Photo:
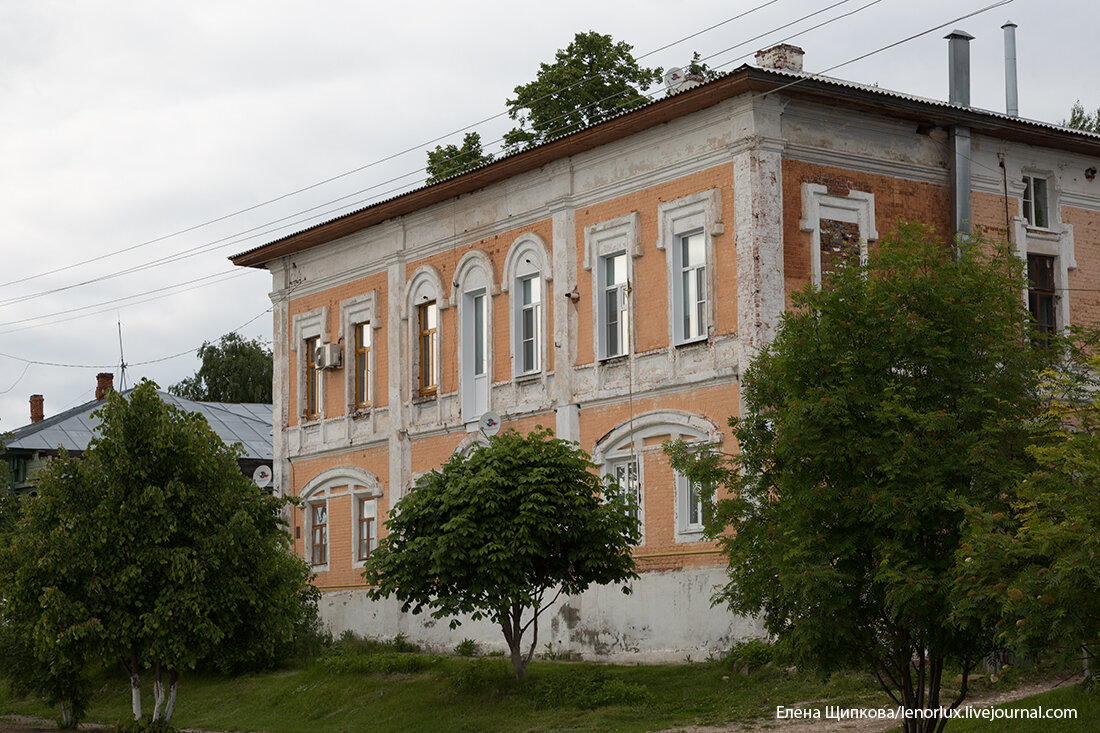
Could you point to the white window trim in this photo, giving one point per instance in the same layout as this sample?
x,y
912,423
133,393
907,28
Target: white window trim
x,y
858,207
1059,245
601,240
311,324
527,256
629,437
618,458
372,496
425,285
1054,218
349,481
361,309
473,276
698,212
685,530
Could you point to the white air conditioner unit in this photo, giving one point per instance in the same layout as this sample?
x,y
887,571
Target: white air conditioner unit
x,y
329,356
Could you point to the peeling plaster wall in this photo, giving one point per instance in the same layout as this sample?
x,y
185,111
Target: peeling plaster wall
x,y
666,617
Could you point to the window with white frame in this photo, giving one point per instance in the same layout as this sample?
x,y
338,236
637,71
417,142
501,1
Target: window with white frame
x,y
529,323
526,272
626,473
692,267
1036,201
366,527
613,306
425,301
610,248
313,377
686,226
473,278
692,510
362,365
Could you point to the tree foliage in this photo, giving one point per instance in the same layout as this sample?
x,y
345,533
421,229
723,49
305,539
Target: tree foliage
x,y
591,80
1081,119
153,550
450,160
1035,566
233,370
888,400
501,532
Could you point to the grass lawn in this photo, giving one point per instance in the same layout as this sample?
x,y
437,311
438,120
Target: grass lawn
x,y
368,686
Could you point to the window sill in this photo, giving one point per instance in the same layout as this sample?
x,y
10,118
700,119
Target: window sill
x,y
700,341
1044,232
424,399
528,378
361,413
612,359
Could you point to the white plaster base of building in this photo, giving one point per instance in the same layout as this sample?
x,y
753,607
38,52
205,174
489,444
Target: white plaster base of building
x,y
666,618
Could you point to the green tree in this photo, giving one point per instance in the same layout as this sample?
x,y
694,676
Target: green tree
x,y
175,557
450,160
50,635
501,532
233,370
1035,566
592,79
888,398
1082,120
698,67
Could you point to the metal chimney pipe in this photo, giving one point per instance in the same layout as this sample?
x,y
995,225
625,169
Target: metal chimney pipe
x,y
958,67
958,57
1012,101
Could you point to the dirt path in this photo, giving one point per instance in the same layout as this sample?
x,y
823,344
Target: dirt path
x,y
869,725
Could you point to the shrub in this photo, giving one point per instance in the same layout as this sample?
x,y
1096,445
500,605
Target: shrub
x,y
466,648
482,676
749,656
585,688
144,725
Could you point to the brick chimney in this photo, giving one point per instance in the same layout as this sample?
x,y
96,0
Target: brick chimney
x,y
104,383
36,409
783,56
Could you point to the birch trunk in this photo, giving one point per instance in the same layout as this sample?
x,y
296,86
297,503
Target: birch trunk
x,y
158,693
173,683
67,715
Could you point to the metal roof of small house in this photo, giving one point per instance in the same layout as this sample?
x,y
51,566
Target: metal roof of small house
x,y
246,423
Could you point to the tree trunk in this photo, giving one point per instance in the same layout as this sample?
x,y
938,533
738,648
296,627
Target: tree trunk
x,y
67,718
158,693
1085,661
132,669
173,683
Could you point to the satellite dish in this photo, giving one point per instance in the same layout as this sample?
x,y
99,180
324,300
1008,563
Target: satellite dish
x,y
262,476
489,424
674,78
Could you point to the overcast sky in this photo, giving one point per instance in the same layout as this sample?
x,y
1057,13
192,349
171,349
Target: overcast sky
x,y
133,132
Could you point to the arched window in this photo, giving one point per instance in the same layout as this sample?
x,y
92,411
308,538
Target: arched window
x,y
628,450
526,274
474,289
345,494
424,302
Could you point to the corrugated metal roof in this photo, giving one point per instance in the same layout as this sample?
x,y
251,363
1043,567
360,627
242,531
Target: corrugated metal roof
x,y
246,423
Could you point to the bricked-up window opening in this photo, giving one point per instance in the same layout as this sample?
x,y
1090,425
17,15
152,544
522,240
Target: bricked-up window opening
x,y
362,354
313,378
428,319
840,244
367,539
1036,202
319,533
529,321
693,286
616,321
1040,294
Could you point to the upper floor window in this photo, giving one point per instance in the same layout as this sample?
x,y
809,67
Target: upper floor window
x,y
529,323
840,228
312,378
686,227
319,533
428,325
362,361
614,313
692,286
1041,293
629,479
1036,202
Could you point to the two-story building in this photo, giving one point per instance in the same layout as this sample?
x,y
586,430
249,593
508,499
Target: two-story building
x,y
613,284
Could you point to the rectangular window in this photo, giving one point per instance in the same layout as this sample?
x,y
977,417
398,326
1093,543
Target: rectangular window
x,y
428,321
627,477
362,355
365,518
1040,293
479,334
319,533
313,378
693,287
1036,202
615,321
529,323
